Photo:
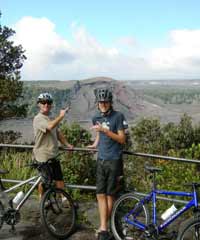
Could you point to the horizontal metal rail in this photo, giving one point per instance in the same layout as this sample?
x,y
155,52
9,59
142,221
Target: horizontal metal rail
x,y
162,157
145,155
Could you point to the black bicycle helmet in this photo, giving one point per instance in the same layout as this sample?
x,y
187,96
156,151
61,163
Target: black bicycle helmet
x,y
45,97
103,95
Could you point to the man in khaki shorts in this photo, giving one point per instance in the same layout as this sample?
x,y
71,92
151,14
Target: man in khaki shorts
x,y
46,137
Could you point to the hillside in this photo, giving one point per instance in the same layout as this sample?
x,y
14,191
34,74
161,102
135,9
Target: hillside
x,y
80,96
167,100
164,99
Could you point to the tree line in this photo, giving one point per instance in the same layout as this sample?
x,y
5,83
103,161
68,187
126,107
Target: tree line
x,y
175,95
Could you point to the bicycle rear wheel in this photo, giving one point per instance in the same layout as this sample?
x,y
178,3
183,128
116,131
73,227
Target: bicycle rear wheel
x,y
120,228
190,231
58,216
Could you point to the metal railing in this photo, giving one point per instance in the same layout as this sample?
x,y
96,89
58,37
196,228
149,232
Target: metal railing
x,y
87,187
145,155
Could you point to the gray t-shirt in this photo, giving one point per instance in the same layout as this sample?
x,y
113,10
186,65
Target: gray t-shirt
x,y
108,149
46,142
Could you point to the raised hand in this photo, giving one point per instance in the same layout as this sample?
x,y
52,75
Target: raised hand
x,y
97,127
63,111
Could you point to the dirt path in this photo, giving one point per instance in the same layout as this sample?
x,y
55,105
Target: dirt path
x,y
29,231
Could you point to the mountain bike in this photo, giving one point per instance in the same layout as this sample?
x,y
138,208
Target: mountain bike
x,y
57,209
130,217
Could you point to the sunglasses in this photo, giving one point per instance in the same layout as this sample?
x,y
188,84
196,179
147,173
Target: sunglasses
x,y
103,102
45,102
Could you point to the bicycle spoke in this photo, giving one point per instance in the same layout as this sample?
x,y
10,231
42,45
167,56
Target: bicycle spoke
x,y
122,211
58,215
196,233
191,231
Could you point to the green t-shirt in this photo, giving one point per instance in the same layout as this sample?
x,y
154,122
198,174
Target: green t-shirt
x,y
46,142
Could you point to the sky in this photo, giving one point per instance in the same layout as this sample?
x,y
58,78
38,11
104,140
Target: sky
x,y
124,40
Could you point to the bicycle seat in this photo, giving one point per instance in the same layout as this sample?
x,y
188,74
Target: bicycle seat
x,y
2,171
33,165
36,165
152,169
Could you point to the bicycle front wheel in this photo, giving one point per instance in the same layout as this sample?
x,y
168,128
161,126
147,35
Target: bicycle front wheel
x,y
121,229
190,231
58,213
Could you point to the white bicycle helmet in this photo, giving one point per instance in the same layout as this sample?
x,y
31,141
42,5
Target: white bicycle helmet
x,y
45,97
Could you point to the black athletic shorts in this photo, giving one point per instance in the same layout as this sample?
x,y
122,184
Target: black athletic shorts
x,y
51,170
108,172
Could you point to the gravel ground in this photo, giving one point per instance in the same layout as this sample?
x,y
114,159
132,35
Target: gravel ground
x,y
29,231
30,227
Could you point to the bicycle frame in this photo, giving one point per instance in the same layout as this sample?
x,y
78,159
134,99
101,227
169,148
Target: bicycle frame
x,y
26,196
151,197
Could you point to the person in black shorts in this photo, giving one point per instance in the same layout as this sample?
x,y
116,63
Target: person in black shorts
x,y
46,138
51,171
110,128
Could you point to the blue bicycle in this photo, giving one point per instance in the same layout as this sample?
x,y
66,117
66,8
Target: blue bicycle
x,y
130,219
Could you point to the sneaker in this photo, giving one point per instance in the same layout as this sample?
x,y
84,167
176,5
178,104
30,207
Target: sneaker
x,y
111,236
103,235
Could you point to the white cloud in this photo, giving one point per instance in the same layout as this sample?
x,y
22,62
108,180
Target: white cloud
x,y
50,56
44,47
128,41
182,54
